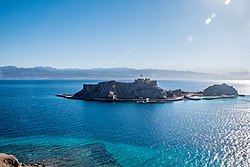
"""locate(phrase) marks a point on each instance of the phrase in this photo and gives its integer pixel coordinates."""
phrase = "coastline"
(63, 126)
(147, 91)
(187, 97)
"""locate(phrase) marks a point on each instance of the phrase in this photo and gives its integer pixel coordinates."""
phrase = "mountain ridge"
(41, 72)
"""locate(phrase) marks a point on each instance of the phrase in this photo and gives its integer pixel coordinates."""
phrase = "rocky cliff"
(9, 161)
(12, 161)
(218, 90)
(111, 90)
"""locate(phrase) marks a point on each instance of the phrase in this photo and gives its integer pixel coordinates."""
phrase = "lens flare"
(227, 2)
(190, 38)
(213, 15)
(208, 20)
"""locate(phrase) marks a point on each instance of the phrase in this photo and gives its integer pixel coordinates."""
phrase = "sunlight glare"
(227, 2)
(208, 20)
(213, 15)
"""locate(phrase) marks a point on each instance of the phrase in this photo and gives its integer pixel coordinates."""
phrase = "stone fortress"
(146, 90)
(113, 90)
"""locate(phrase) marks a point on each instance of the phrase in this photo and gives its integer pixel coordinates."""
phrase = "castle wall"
(140, 88)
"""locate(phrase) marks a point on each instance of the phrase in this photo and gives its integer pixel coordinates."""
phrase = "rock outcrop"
(112, 90)
(12, 161)
(219, 90)
(8, 161)
(82, 155)
(146, 91)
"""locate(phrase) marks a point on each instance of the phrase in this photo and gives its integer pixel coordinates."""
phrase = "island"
(219, 90)
(146, 91)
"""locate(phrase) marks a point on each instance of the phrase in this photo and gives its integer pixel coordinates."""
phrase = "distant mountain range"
(13, 72)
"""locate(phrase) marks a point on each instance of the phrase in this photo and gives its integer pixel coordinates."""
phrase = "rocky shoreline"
(11, 161)
(89, 154)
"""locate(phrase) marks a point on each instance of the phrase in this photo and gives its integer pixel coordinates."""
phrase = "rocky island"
(219, 90)
(113, 91)
(146, 91)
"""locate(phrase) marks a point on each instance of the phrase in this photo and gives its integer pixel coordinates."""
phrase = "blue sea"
(35, 125)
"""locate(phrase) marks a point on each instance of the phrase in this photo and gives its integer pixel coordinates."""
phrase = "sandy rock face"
(8, 161)
(12, 161)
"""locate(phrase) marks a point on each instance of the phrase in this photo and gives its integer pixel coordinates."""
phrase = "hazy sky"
(196, 35)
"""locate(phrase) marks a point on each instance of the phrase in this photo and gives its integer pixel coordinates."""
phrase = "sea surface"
(35, 125)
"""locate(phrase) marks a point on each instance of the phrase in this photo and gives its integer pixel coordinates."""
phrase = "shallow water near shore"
(37, 125)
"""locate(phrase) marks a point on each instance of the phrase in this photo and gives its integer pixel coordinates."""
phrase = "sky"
(197, 35)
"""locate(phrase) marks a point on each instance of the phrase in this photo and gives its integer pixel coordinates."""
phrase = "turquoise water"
(36, 125)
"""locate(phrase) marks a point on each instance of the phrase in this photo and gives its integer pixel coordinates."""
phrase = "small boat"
(141, 101)
(175, 99)
(145, 101)
(193, 98)
(65, 95)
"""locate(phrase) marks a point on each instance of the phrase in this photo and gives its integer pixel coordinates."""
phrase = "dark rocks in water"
(80, 155)
(39, 164)
(219, 90)
(112, 90)
(100, 157)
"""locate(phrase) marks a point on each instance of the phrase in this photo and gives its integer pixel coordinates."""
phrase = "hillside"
(13, 72)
